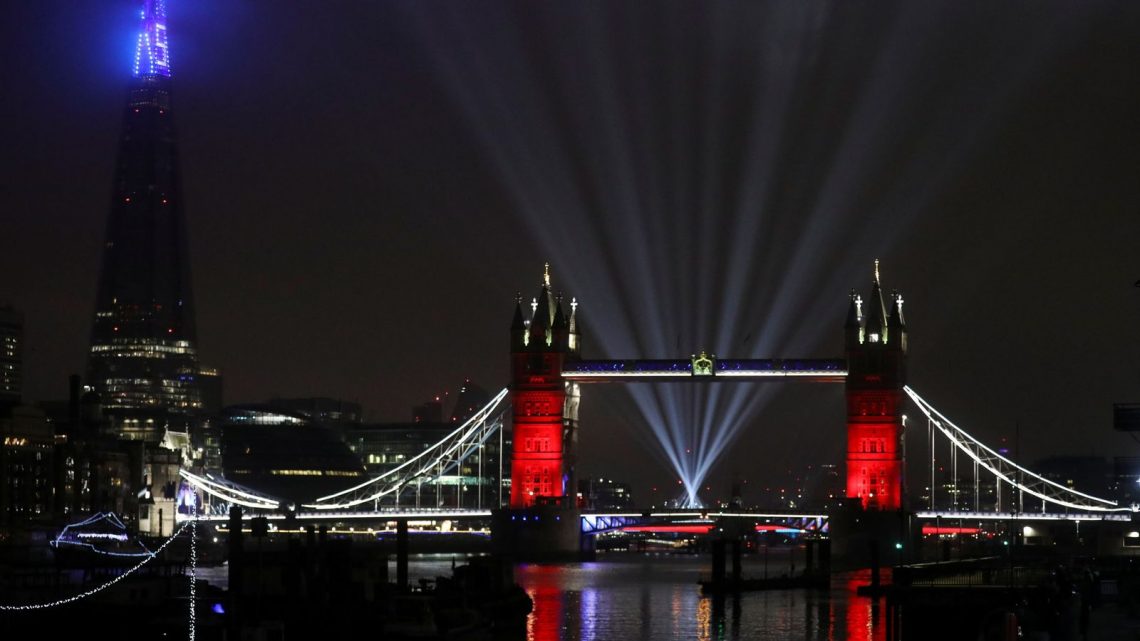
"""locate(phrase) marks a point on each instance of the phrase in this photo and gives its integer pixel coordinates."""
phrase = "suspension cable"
(478, 426)
(1010, 472)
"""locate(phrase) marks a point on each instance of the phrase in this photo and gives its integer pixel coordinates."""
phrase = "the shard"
(143, 361)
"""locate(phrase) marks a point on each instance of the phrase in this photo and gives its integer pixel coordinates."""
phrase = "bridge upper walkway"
(708, 369)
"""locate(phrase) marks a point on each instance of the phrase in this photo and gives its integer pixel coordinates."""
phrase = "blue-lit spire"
(152, 55)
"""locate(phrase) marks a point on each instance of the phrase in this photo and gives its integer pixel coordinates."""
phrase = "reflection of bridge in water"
(542, 402)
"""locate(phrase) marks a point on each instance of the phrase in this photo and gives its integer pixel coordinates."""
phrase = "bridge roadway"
(951, 515)
(597, 521)
(592, 521)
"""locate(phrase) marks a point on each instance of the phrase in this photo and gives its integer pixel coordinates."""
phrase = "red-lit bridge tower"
(545, 406)
(876, 364)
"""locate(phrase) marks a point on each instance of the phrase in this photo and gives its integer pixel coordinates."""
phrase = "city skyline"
(331, 264)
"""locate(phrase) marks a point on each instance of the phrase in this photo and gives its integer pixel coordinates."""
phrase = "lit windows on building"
(27, 448)
(11, 361)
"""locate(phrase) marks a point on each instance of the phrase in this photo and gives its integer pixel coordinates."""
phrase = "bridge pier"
(545, 533)
(817, 557)
(402, 553)
(236, 575)
(721, 549)
(858, 535)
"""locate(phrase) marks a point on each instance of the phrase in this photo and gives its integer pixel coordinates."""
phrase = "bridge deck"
(951, 516)
(431, 514)
(736, 369)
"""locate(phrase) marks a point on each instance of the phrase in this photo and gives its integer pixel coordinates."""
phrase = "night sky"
(356, 232)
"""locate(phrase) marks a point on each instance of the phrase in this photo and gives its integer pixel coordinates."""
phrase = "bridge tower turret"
(518, 327)
(876, 364)
(541, 459)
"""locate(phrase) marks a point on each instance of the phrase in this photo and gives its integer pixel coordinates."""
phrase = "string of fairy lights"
(193, 616)
(191, 524)
(118, 533)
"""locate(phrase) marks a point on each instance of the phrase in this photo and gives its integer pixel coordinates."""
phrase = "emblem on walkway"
(703, 365)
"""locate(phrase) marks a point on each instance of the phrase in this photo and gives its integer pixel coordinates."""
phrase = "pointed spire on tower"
(854, 311)
(559, 318)
(517, 322)
(572, 339)
(559, 327)
(542, 316)
(152, 55)
(853, 328)
(897, 323)
(518, 326)
(875, 330)
(540, 323)
(896, 320)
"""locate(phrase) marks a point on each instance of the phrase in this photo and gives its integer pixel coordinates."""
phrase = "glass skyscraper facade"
(143, 361)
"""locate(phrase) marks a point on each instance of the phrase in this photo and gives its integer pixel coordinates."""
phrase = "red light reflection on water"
(545, 621)
(579, 602)
(866, 617)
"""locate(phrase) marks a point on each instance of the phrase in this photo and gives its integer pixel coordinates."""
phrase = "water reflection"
(646, 611)
(658, 598)
(863, 621)
(676, 608)
(545, 586)
(589, 613)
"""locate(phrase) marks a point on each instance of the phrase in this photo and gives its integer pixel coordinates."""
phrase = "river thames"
(656, 597)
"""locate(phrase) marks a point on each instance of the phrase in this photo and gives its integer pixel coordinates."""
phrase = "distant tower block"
(11, 354)
(542, 460)
(876, 344)
(143, 360)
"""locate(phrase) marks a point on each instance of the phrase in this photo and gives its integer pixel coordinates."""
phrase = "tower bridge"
(542, 401)
(547, 371)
